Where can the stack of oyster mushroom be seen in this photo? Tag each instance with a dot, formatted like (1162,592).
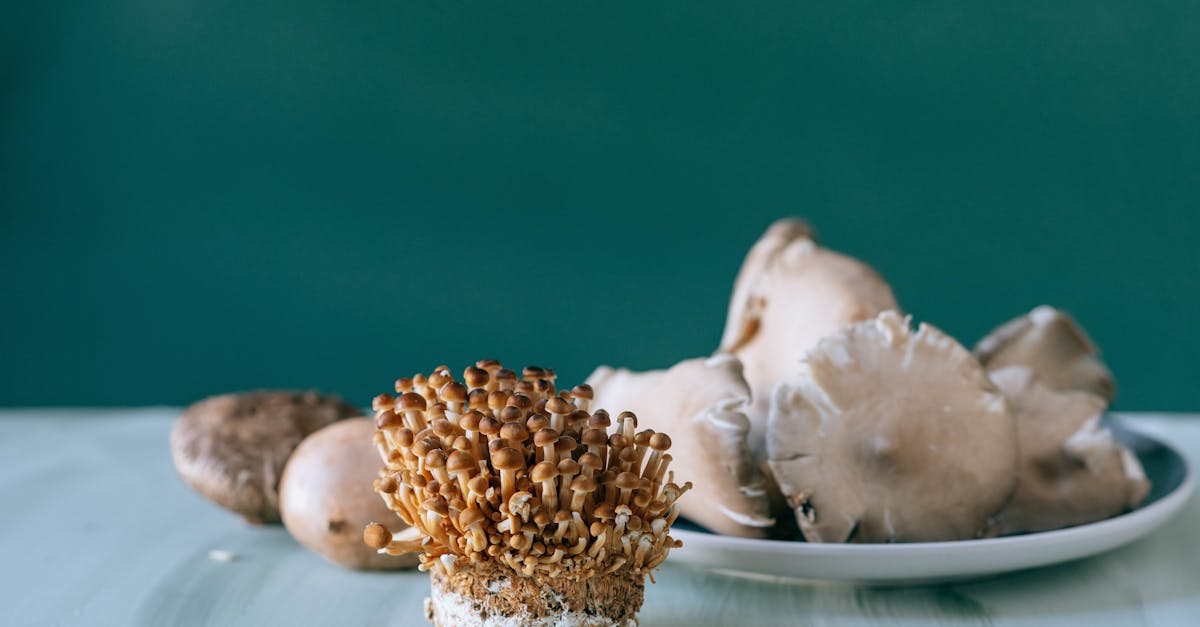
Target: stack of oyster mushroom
(827,415)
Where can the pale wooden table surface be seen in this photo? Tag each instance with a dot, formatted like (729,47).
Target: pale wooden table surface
(96,529)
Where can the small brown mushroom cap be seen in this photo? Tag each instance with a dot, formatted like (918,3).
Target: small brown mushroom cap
(470,421)
(508,459)
(603,511)
(599,420)
(514,432)
(536,423)
(437,506)
(376,536)
(660,441)
(583,391)
(389,419)
(411,401)
(326,498)
(387,485)
(702,403)
(512,413)
(497,400)
(565,446)
(422,447)
(1073,471)
(543,471)
(627,481)
(477,399)
(521,401)
(460,461)
(595,437)
(583,484)
(442,428)
(475,377)
(545,437)
(435,458)
(489,427)
(790,293)
(1054,347)
(440,376)
(453,392)
(590,460)
(892,436)
(478,484)
(557,405)
(232,448)
(382,401)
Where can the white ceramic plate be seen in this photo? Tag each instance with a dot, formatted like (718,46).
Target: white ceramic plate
(924,562)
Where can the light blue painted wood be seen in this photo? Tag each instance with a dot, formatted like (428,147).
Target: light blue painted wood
(96,529)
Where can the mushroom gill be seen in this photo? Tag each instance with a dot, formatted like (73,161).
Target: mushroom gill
(891,435)
(1072,469)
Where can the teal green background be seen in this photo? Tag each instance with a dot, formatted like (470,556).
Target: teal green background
(198,197)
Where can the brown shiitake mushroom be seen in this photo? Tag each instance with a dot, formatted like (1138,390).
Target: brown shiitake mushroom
(327,499)
(790,293)
(702,403)
(1073,471)
(1054,346)
(892,436)
(232,448)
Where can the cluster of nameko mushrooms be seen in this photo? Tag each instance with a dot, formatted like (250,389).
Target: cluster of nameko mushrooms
(509,481)
(822,415)
(496,468)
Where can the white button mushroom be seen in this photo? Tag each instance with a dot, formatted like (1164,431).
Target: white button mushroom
(701,402)
(892,436)
(1054,346)
(790,293)
(1072,469)
(326,496)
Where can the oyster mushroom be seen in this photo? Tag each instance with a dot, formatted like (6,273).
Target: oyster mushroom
(1054,346)
(1072,469)
(892,435)
(701,402)
(789,293)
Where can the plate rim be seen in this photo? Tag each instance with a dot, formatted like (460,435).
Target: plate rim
(1164,507)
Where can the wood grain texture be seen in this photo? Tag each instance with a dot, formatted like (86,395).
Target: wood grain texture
(96,529)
